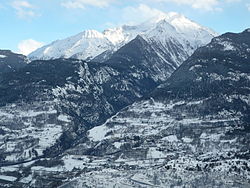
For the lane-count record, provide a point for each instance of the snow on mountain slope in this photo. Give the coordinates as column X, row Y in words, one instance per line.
column 91, row 43
column 85, row 45
column 175, row 29
column 192, row 31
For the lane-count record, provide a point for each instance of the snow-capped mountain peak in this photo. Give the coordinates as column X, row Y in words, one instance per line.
column 91, row 34
column 115, row 35
column 163, row 27
column 184, row 26
column 84, row 45
column 91, row 43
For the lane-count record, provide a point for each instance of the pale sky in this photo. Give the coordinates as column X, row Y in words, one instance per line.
column 28, row 24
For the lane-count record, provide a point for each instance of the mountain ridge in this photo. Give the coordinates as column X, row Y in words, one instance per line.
column 112, row 39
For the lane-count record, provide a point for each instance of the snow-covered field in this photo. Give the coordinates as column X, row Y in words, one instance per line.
column 29, row 130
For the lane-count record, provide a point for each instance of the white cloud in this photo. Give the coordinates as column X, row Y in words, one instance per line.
column 248, row 6
column 27, row 46
column 233, row 1
column 82, row 3
column 141, row 13
column 205, row 5
column 208, row 5
column 73, row 4
column 24, row 9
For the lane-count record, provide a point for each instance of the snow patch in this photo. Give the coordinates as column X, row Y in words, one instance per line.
column 153, row 153
column 195, row 67
column 71, row 162
column 187, row 140
column 98, row 133
column 3, row 56
column 8, row 178
column 228, row 46
column 117, row 144
column 64, row 118
column 171, row 138
column 27, row 179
